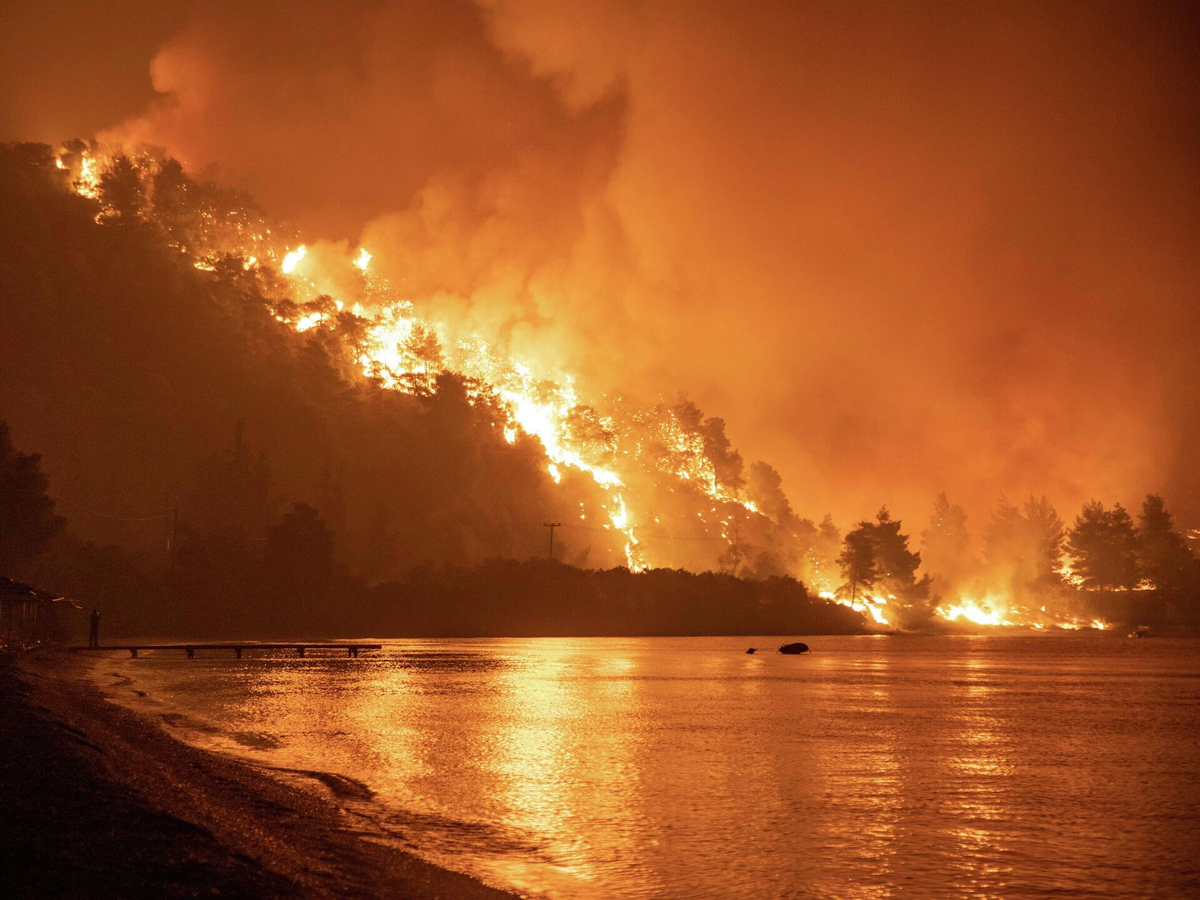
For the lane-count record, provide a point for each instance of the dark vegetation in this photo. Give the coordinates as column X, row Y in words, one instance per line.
column 220, row 474
column 540, row 597
column 217, row 583
column 223, row 475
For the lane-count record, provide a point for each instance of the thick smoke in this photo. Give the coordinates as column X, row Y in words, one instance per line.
column 900, row 249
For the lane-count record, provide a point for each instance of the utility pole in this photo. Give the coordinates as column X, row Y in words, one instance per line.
column 552, row 526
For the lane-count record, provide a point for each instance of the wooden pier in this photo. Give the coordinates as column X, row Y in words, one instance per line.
column 237, row 648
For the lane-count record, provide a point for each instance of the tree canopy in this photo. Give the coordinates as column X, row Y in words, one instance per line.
column 27, row 518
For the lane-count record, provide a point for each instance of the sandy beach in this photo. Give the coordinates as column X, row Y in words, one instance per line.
column 99, row 801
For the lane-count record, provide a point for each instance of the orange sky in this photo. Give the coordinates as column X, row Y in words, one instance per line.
column 900, row 248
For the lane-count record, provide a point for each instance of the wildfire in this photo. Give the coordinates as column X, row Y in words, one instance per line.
column 986, row 612
column 292, row 259
column 872, row 606
column 637, row 461
column 87, row 183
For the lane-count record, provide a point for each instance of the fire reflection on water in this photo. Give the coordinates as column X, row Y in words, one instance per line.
column 977, row 773
column 878, row 767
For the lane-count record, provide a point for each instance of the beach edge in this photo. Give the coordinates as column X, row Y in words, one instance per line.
column 101, row 800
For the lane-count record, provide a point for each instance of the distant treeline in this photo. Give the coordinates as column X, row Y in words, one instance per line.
column 540, row 597
column 219, row 580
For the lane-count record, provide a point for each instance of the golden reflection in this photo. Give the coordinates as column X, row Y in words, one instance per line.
column 537, row 758
column 386, row 707
column 977, row 808
column 877, row 778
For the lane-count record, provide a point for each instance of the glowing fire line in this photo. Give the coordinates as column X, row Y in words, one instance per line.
column 401, row 350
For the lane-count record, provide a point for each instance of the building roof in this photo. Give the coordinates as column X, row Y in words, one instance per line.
column 14, row 591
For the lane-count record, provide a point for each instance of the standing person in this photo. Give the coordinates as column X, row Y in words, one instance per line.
column 94, row 629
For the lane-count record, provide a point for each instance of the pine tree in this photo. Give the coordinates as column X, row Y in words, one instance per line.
column 1163, row 555
column 824, row 562
column 945, row 544
column 1103, row 546
column 896, row 565
column 299, row 554
column 27, row 519
column 857, row 559
column 121, row 191
column 1045, row 535
column 1025, row 543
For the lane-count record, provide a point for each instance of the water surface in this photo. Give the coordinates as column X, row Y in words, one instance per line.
column 876, row 767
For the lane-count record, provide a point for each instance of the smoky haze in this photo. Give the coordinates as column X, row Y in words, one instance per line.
column 900, row 249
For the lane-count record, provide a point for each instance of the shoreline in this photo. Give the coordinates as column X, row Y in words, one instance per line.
column 99, row 800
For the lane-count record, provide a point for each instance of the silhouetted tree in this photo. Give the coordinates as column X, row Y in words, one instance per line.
column 1103, row 547
column 121, row 191
column 27, row 519
column 727, row 462
column 857, row 559
column 332, row 505
column 1025, row 544
column 824, row 562
column 895, row 565
column 731, row 558
column 945, row 544
column 299, row 555
column 423, row 352
column 1163, row 555
column 233, row 489
column 1046, row 535
column 764, row 486
column 379, row 553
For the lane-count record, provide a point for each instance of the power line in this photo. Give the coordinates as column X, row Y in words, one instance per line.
column 104, row 515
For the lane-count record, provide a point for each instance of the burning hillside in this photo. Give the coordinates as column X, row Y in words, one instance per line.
column 638, row 485
column 632, row 459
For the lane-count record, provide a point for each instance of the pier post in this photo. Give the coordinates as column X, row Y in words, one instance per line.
column 299, row 651
column 133, row 652
column 237, row 652
column 191, row 652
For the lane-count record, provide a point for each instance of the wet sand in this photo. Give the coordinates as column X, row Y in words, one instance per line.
column 98, row 801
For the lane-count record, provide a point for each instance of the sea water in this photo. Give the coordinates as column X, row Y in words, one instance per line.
column 875, row 767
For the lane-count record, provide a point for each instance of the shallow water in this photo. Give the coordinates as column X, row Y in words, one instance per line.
column 924, row 767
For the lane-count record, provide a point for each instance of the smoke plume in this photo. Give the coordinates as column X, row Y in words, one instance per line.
column 900, row 249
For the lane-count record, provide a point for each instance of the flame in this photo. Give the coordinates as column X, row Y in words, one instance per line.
column 639, row 465
column 872, row 606
column 309, row 320
column 402, row 351
column 292, row 259
column 985, row 612
column 87, row 183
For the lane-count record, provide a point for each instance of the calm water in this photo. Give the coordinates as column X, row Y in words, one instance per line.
column 921, row 767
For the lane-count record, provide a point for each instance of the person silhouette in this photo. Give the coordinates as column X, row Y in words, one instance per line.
column 94, row 629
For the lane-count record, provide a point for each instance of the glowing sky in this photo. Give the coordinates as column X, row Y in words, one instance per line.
column 900, row 248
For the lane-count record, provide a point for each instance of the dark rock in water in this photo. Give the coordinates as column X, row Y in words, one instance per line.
column 752, row 650
column 794, row 648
